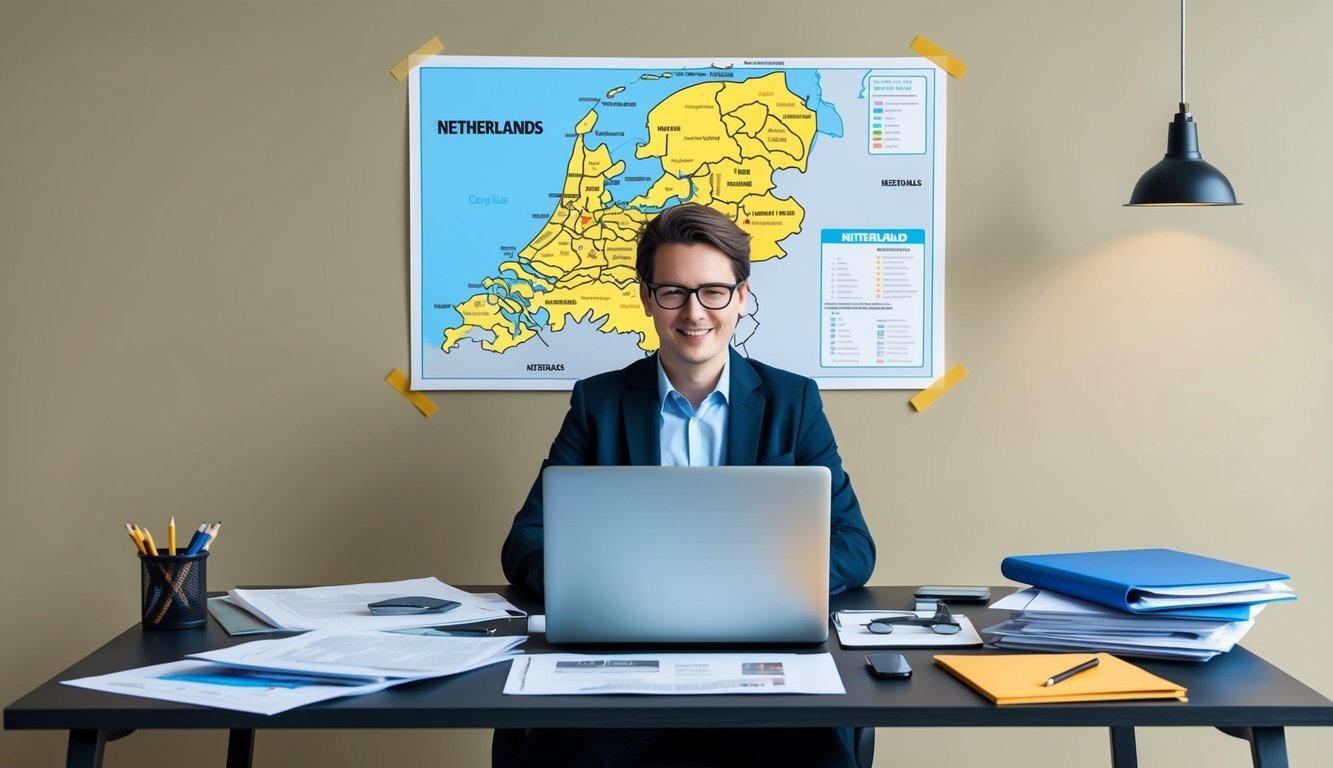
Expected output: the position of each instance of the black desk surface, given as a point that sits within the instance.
(1236, 689)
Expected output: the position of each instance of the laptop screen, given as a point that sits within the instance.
(686, 554)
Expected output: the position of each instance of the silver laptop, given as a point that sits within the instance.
(687, 554)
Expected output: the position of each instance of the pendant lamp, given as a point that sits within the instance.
(1182, 177)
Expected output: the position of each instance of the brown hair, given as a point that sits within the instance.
(691, 223)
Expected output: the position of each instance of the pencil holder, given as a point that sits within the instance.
(175, 588)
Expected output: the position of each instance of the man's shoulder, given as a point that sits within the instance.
(776, 379)
(610, 383)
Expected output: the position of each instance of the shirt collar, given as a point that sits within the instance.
(664, 388)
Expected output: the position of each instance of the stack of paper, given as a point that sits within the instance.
(1049, 621)
(270, 676)
(344, 607)
(1154, 603)
(1021, 679)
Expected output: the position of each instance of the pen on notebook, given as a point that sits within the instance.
(1068, 673)
(171, 537)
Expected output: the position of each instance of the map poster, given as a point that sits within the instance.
(531, 177)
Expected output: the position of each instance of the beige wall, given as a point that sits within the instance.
(203, 281)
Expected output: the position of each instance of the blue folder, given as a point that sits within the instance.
(1117, 578)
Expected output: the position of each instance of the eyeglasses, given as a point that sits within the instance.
(711, 295)
(942, 623)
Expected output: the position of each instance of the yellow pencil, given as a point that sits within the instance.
(171, 536)
(134, 537)
(148, 542)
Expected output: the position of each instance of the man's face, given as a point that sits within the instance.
(694, 339)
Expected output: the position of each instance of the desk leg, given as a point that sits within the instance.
(1268, 746)
(240, 748)
(85, 749)
(1124, 752)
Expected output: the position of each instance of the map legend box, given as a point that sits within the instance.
(897, 115)
(871, 309)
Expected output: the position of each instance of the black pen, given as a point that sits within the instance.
(1068, 673)
(463, 631)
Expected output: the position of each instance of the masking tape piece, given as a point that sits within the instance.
(929, 395)
(941, 57)
(398, 380)
(432, 47)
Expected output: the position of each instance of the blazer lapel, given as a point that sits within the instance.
(641, 406)
(746, 413)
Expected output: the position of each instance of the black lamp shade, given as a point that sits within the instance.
(1183, 177)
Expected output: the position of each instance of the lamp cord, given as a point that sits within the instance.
(1184, 107)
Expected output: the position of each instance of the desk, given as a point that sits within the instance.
(1237, 692)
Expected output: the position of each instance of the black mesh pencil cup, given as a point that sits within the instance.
(175, 588)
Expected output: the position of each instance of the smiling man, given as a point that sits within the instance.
(696, 402)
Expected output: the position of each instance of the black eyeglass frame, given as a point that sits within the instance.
(695, 292)
(942, 623)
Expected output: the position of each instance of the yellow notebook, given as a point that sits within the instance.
(1021, 678)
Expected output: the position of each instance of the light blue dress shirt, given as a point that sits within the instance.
(693, 438)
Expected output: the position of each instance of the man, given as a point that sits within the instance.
(696, 402)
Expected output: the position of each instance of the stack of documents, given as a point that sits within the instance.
(1153, 603)
(1022, 678)
(250, 611)
(1042, 620)
(270, 676)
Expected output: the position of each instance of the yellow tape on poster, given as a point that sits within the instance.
(398, 380)
(926, 397)
(942, 58)
(400, 70)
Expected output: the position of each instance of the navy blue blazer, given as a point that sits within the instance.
(775, 417)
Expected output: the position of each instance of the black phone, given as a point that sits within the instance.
(395, 606)
(888, 666)
(938, 592)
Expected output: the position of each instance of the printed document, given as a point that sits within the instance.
(673, 673)
(370, 655)
(270, 676)
(344, 607)
(852, 632)
(208, 685)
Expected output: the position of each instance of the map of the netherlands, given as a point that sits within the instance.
(531, 179)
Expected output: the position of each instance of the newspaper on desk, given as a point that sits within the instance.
(270, 676)
(673, 673)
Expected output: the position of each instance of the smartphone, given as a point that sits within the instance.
(888, 666)
(938, 592)
(396, 606)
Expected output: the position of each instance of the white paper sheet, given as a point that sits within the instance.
(673, 673)
(376, 655)
(1044, 605)
(150, 683)
(853, 634)
(344, 607)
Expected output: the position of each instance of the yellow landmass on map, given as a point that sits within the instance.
(734, 181)
(611, 94)
(618, 306)
(769, 220)
(719, 145)
(686, 131)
